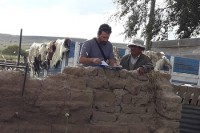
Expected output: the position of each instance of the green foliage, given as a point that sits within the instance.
(13, 50)
(185, 14)
(136, 13)
(140, 18)
(154, 23)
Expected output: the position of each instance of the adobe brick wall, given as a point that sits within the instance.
(97, 100)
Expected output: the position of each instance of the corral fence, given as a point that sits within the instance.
(190, 113)
(184, 70)
(12, 65)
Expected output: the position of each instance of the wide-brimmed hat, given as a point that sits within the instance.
(138, 43)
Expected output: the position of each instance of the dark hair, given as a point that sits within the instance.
(104, 27)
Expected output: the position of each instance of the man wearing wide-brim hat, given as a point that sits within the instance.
(136, 60)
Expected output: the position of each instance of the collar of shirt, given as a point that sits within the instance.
(134, 60)
(135, 57)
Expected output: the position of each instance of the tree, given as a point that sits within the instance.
(185, 15)
(149, 27)
(140, 16)
(143, 16)
(13, 50)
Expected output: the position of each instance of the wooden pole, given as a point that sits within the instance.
(19, 50)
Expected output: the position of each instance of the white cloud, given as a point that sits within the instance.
(57, 19)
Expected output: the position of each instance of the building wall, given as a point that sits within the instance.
(183, 48)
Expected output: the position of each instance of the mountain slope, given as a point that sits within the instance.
(6, 39)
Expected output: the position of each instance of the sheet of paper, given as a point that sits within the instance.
(104, 63)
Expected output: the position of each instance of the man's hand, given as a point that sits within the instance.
(140, 71)
(96, 61)
(112, 62)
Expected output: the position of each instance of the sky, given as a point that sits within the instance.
(60, 18)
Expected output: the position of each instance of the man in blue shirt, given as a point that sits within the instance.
(95, 50)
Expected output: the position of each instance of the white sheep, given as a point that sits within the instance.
(163, 61)
(158, 59)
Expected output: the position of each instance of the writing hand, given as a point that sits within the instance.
(96, 61)
(140, 71)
